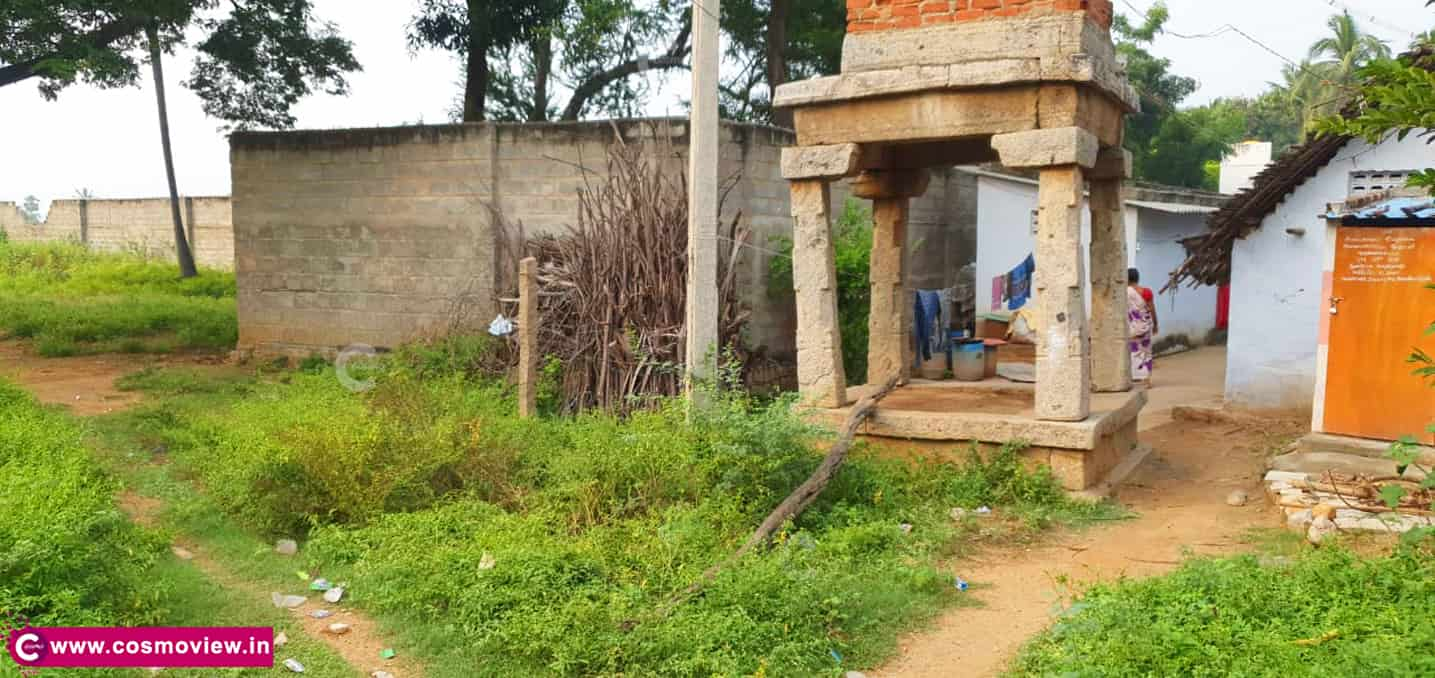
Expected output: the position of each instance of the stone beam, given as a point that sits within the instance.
(1063, 368)
(1047, 148)
(821, 380)
(820, 162)
(1110, 354)
(921, 116)
(1113, 162)
(880, 184)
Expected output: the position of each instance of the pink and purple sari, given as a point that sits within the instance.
(1141, 325)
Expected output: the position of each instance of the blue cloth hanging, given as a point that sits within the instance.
(927, 314)
(1019, 283)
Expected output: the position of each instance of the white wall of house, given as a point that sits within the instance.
(1247, 159)
(1276, 281)
(1004, 239)
(1185, 310)
(1004, 230)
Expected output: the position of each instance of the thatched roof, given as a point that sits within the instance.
(1209, 262)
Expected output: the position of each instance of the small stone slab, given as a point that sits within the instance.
(820, 162)
(1047, 147)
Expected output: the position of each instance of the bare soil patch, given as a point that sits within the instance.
(86, 384)
(1179, 495)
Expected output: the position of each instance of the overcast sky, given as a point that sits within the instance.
(108, 140)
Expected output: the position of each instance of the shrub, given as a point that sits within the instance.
(1332, 613)
(68, 556)
(549, 546)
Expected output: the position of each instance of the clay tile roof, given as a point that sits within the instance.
(1210, 260)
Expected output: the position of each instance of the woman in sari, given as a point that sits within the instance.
(1142, 321)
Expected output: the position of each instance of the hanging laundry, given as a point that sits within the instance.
(1019, 285)
(998, 292)
(927, 315)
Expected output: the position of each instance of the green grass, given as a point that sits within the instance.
(591, 524)
(71, 301)
(69, 557)
(1245, 616)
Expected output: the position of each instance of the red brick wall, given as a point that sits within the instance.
(881, 15)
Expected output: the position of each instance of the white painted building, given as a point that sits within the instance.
(1270, 243)
(1157, 220)
(1239, 169)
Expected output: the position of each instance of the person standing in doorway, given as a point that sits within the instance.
(1144, 326)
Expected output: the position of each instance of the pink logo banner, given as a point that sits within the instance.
(158, 647)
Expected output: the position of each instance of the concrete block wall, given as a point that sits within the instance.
(360, 236)
(372, 236)
(142, 225)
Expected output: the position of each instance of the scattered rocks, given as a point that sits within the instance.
(181, 553)
(381, 674)
(1325, 511)
(1238, 498)
(281, 639)
(338, 629)
(1320, 530)
(906, 528)
(294, 665)
(333, 595)
(290, 602)
(854, 674)
(321, 614)
(286, 547)
(487, 562)
(1300, 520)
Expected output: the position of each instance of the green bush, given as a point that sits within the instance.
(1329, 613)
(852, 240)
(68, 556)
(549, 546)
(70, 300)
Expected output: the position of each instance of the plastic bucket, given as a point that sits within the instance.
(969, 361)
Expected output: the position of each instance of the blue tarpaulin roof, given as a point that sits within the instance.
(1394, 209)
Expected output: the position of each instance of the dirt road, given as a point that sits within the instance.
(1179, 495)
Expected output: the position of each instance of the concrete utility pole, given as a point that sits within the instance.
(702, 311)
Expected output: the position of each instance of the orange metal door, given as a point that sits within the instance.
(1381, 306)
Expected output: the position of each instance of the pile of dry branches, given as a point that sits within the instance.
(613, 288)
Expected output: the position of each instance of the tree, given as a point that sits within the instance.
(1396, 97)
(181, 243)
(778, 41)
(476, 30)
(253, 63)
(526, 49)
(30, 210)
(1190, 141)
(1161, 92)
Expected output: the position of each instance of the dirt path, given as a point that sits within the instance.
(1179, 495)
(87, 386)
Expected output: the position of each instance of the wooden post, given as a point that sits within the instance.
(528, 337)
(1063, 367)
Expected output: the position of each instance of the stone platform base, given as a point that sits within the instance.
(946, 417)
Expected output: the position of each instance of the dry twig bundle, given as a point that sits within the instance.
(613, 289)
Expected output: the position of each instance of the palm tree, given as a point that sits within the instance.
(1346, 49)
